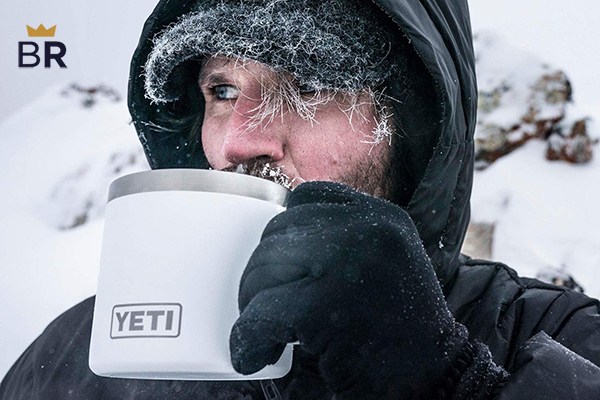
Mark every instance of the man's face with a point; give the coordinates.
(332, 146)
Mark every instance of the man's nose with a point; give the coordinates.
(247, 138)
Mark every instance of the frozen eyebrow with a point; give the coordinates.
(211, 78)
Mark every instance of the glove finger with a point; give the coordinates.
(309, 219)
(261, 332)
(283, 259)
(288, 248)
(265, 276)
(256, 345)
(271, 320)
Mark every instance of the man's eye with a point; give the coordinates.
(225, 92)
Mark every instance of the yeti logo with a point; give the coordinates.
(146, 320)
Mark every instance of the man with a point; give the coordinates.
(367, 110)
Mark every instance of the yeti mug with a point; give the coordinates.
(175, 245)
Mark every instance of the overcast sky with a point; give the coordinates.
(565, 34)
(100, 37)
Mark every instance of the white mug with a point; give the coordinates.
(175, 245)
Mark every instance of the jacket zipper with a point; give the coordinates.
(270, 390)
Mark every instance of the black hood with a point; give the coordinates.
(434, 158)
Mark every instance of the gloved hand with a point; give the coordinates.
(346, 275)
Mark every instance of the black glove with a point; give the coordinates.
(346, 275)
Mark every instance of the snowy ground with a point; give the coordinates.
(545, 213)
(47, 149)
(56, 159)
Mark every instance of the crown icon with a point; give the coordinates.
(41, 31)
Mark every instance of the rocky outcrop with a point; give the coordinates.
(559, 277)
(80, 196)
(96, 117)
(479, 240)
(570, 142)
(89, 96)
(522, 98)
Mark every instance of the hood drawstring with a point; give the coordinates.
(270, 390)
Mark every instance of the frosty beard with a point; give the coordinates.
(370, 177)
(262, 168)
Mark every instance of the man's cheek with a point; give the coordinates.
(211, 151)
(319, 167)
(211, 145)
(311, 176)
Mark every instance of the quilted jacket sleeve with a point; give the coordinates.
(547, 337)
(545, 369)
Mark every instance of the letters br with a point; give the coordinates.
(52, 51)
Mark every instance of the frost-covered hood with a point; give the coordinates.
(439, 121)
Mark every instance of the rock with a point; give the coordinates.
(521, 98)
(559, 277)
(479, 240)
(90, 95)
(80, 196)
(570, 143)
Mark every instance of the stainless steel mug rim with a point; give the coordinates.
(198, 180)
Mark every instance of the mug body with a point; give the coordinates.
(175, 245)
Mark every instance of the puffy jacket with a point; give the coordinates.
(546, 337)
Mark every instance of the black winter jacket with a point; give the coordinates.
(547, 338)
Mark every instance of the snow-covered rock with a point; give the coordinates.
(570, 142)
(80, 196)
(521, 98)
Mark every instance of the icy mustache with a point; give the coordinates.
(262, 169)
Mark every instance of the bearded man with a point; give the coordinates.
(366, 109)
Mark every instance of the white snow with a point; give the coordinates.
(545, 213)
(46, 270)
(501, 65)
